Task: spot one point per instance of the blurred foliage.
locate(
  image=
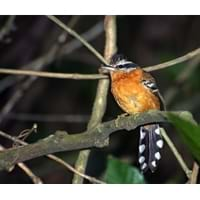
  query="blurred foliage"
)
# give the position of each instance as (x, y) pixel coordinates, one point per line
(171, 72)
(194, 80)
(189, 132)
(121, 172)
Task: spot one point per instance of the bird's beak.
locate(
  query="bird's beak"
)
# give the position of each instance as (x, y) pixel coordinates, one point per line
(107, 68)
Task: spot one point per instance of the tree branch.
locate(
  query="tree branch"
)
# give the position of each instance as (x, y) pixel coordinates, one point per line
(35, 179)
(95, 137)
(72, 169)
(175, 61)
(194, 176)
(170, 63)
(43, 74)
(78, 37)
(182, 78)
(50, 156)
(37, 64)
(176, 154)
(100, 101)
(55, 52)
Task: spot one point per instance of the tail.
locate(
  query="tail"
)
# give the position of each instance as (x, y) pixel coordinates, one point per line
(150, 144)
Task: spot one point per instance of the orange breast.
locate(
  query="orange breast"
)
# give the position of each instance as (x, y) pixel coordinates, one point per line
(130, 93)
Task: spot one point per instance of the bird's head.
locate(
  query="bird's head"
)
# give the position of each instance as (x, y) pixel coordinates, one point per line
(119, 63)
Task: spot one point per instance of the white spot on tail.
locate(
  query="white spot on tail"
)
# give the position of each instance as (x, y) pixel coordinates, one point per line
(159, 143)
(142, 135)
(157, 131)
(141, 148)
(153, 163)
(141, 159)
(144, 166)
(157, 156)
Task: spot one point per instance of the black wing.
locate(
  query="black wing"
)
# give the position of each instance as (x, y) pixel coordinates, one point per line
(150, 83)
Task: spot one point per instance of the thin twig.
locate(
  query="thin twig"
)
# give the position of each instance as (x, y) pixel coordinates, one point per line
(15, 98)
(194, 175)
(175, 61)
(72, 169)
(52, 74)
(35, 179)
(78, 37)
(38, 65)
(181, 78)
(184, 58)
(48, 57)
(73, 21)
(100, 101)
(27, 170)
(89, 35)
(25, 134)
(12, 138)
(176, 153)
(7, 27)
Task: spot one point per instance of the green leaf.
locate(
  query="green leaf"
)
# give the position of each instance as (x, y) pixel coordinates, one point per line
(120, 172)
(190, 133)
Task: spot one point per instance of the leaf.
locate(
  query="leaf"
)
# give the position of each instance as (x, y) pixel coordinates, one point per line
(120, 172)
(189, 132)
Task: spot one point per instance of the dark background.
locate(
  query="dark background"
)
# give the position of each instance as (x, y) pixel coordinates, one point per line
(66, 104)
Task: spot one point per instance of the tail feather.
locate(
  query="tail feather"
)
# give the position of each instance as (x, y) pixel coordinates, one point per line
(150, 144)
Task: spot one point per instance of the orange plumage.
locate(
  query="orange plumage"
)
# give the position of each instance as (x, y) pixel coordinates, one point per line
(130, 93)
(136, 91)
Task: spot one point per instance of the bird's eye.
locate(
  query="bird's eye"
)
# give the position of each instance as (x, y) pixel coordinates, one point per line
(120, 66)
(130, 65)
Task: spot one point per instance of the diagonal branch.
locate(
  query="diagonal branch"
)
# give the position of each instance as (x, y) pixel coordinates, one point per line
(38, 64)
(55, 52)
(78, 37)
(72, 169)
(35, 179)
(182, 78)
(175, 61)
(96, 137)
(176, 153)
(50, 156)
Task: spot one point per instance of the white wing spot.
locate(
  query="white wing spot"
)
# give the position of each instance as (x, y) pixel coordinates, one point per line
(142, 135)
(159, 143)
(141, 148)
(144, 166)
(141, 159)
(157, 156)
(153, 163)
(157, 131)
(150, 84)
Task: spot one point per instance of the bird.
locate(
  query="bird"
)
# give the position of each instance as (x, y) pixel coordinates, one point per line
(136, 91)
